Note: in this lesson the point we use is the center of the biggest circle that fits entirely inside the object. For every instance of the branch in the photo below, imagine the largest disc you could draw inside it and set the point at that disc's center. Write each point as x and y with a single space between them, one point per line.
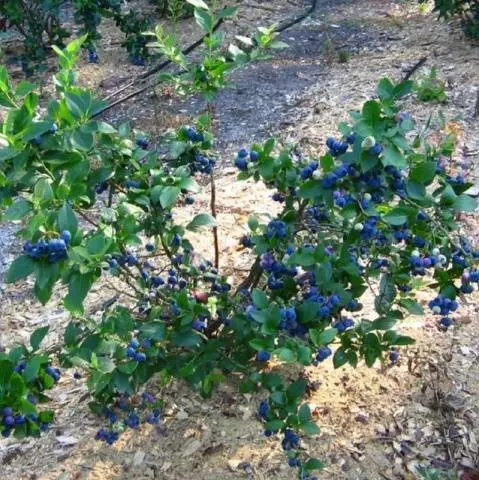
413 69
213 214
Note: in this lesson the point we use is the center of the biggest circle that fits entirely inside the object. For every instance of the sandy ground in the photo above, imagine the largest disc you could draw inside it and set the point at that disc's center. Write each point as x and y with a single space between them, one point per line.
375 423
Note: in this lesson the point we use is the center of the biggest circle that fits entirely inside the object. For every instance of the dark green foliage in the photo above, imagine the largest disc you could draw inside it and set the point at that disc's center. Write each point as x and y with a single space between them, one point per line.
466 10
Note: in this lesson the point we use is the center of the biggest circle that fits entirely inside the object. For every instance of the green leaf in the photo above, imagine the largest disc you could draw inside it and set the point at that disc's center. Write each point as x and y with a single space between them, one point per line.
296 389
227 12
168 196
67 219
72 333
36 129
274 426
304 414
411 306
395 217
154 330
31 370
387 294
314 464
310 428
78 288
393 156
340 358
383 323
18 210
260 299
324 337
423 173
371 112
402 89
416 191
17 386
201 220
189 184
465 203
43 192
20 268
385 89
37 336
204 20
285 355
198 4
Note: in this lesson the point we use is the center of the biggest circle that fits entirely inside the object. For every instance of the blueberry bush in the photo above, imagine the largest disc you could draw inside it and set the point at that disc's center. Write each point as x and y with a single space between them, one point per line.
466 10
38 22
376 213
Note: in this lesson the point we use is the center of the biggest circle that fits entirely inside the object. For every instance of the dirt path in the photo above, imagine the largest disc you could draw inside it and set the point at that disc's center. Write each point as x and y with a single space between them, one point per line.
376 423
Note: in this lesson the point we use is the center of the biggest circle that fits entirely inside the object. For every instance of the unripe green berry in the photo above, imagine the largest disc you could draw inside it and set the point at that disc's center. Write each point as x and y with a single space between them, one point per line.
368 143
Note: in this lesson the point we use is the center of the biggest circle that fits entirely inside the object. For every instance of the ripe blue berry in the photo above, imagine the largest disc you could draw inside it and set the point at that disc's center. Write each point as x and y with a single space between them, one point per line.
93 56
241 163
323 353
263 356
394 356
142 143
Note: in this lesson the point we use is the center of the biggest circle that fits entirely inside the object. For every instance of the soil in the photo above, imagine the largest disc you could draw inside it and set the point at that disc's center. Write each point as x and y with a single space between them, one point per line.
377 423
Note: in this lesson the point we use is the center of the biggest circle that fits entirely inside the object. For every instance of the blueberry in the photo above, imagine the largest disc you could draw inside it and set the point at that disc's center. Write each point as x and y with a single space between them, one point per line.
394 356
140 357
9 421
77 375
53 129
253 155
263 356
376 149
323 353
189 200
241 163
19 419
66 236
93 56
134 344
142 143
149 247
243 153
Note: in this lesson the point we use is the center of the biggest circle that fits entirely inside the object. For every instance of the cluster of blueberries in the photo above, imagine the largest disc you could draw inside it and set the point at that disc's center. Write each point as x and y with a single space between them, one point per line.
466 280
276 270
289 442
132 349
131 419
277 228
194 136
10 421
244 157
202 164
337 147
54 250
55 373
444 306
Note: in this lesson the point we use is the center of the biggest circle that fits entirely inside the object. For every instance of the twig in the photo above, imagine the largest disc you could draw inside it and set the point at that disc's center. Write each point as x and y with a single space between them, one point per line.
213 214
413 69
253 276
476 110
